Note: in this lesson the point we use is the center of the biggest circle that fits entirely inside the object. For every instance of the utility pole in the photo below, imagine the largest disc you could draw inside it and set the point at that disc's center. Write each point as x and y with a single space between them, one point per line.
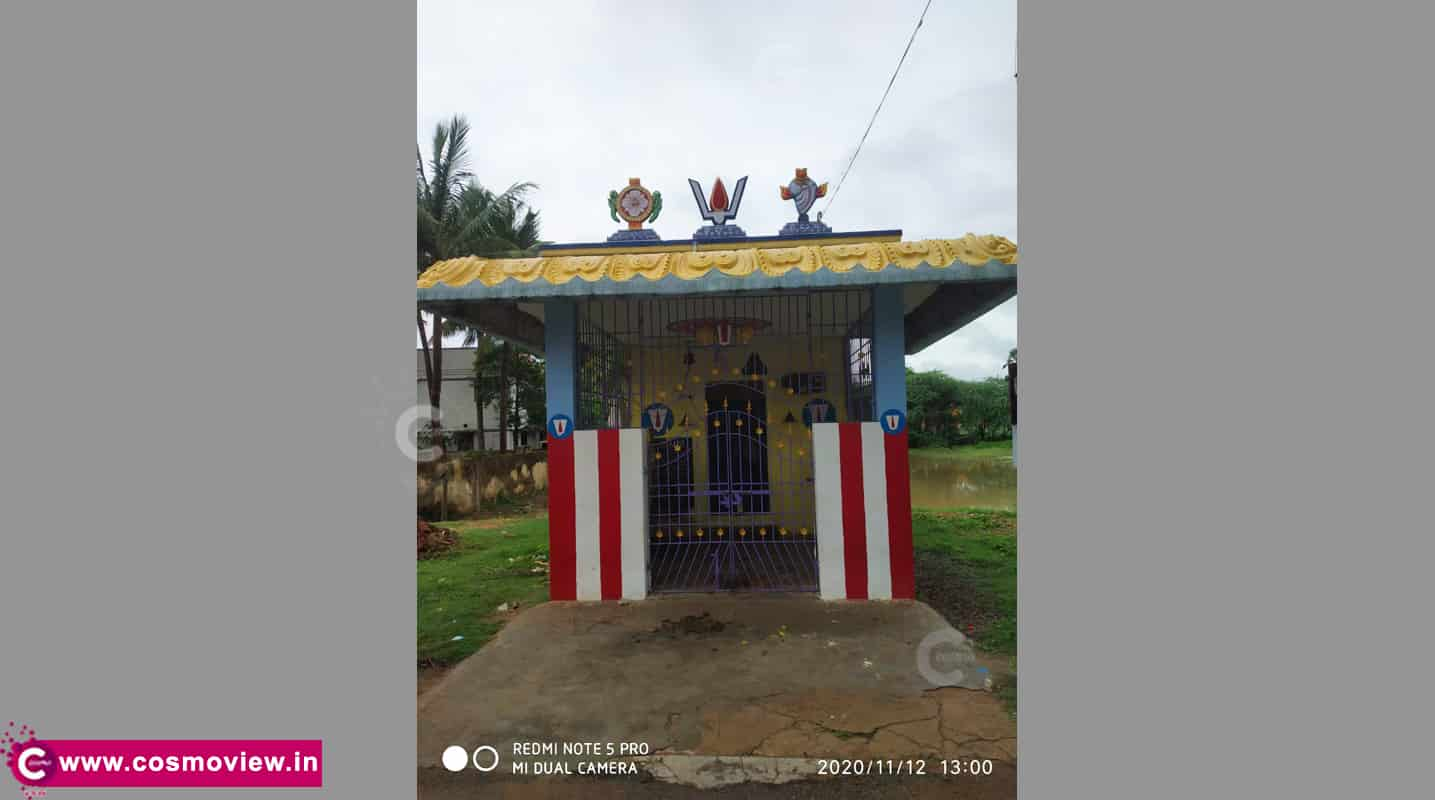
1011 400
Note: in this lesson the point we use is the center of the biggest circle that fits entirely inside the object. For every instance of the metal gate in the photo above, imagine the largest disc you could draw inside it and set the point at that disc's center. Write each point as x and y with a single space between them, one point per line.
727 387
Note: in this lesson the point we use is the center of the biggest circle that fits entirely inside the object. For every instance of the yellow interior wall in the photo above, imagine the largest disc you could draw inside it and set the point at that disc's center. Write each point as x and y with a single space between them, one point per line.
665 379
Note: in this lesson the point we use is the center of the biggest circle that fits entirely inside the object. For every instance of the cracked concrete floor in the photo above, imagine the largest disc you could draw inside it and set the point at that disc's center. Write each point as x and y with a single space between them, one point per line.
778 676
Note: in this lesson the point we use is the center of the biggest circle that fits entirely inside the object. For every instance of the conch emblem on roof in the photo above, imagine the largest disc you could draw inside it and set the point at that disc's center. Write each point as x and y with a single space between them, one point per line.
803 191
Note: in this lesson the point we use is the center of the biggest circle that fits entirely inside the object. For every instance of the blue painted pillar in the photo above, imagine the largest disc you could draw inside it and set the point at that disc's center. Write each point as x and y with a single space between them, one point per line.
889 361
560 345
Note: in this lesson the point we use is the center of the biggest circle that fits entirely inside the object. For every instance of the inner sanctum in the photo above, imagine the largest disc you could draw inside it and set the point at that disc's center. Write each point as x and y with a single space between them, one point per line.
728 388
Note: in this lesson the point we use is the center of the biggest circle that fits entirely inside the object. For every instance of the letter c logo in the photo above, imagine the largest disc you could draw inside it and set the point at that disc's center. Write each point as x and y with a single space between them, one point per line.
22 763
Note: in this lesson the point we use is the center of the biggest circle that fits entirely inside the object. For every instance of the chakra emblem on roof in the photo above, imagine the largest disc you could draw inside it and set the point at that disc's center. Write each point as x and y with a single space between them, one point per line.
718 209
635 205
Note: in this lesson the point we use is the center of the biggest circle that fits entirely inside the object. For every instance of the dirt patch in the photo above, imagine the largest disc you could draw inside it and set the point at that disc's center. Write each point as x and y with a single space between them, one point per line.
499 518
948 586
691 625
433 540
430 675
993 522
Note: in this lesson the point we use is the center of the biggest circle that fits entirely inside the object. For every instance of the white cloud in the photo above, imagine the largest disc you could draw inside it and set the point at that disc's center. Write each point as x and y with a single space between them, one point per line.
577 97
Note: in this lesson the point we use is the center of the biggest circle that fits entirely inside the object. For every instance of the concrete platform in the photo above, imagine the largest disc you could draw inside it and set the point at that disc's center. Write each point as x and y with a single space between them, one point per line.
720 689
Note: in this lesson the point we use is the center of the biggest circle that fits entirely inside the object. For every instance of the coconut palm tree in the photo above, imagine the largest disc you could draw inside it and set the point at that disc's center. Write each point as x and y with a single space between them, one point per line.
457 216
508 228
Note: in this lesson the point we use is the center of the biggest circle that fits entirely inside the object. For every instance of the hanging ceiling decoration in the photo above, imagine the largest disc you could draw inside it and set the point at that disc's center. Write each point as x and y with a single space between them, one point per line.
719 332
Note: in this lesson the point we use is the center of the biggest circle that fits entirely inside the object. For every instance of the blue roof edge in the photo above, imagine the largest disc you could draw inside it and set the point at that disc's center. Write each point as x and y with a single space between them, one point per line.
717 282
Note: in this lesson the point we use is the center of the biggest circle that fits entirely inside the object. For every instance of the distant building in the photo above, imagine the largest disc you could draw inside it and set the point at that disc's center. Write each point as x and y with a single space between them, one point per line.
460 407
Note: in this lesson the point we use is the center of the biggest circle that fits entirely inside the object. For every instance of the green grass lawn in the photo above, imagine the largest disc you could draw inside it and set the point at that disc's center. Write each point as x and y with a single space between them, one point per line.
965 569
966 451
460 590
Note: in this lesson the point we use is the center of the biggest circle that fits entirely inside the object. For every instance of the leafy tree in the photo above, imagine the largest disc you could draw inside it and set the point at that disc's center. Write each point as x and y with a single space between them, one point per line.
986 413
931 397
512 379
529 398
943 411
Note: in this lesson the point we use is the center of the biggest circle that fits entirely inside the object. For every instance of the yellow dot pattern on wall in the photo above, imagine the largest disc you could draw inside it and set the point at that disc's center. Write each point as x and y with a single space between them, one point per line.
679 534
781 531
762 531
721 532
698 533
658 534
802 531
742 533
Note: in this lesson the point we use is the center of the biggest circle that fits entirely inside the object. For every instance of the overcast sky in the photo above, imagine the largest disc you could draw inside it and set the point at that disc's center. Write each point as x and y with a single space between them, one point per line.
578 97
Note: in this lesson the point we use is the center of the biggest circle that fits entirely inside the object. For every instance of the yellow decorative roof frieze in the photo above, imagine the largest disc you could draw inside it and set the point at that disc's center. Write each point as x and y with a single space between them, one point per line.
972 250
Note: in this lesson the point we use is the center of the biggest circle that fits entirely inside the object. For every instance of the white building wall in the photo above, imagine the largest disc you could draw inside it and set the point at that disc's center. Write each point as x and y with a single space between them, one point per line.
460 412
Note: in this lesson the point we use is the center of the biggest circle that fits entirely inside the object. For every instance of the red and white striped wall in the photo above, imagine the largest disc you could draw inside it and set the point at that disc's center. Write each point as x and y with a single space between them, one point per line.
597 513
864 511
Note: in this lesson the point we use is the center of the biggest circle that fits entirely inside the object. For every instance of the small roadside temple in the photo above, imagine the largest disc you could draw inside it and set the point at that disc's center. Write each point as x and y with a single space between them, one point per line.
727 412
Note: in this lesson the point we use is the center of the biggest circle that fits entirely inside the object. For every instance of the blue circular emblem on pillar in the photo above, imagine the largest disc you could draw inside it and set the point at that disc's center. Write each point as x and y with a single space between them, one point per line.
893 421
818 410
658 418
560 426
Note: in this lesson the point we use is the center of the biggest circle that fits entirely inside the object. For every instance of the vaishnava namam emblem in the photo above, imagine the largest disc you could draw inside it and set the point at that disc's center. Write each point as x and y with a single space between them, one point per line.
718 210
635 205
803 191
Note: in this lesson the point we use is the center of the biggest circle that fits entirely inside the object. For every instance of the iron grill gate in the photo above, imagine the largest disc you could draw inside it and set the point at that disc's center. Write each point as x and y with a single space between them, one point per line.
726 386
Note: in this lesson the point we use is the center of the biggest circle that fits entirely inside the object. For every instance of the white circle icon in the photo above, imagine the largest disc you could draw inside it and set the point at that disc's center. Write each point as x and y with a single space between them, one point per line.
454 758
925 651
490 767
